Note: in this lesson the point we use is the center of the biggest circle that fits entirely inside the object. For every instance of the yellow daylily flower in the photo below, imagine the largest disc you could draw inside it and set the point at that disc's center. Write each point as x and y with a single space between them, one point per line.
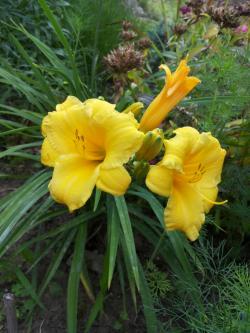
87 144
177 86
188 174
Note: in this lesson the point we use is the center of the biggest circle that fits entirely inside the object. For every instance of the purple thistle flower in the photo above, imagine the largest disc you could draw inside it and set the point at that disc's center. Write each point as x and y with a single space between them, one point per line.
185 9
242 29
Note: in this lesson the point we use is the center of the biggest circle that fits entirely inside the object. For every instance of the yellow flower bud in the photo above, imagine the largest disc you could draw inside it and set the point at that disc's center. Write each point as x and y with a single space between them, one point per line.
177 86
135 108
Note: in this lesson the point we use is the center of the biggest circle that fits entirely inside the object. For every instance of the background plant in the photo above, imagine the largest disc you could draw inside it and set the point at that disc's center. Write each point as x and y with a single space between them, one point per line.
225 292
40 241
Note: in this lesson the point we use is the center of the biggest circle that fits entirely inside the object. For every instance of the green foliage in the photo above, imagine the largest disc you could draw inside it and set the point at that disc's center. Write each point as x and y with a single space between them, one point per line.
161 9
219 104
225 295
54 49
158 281
54 59
97 24
52 72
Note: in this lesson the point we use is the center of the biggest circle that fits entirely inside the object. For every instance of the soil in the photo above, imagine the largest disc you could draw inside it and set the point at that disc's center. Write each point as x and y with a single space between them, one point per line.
53 319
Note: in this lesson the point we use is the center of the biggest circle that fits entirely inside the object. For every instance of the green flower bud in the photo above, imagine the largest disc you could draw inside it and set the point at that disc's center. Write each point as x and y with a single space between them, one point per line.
141 169
152 145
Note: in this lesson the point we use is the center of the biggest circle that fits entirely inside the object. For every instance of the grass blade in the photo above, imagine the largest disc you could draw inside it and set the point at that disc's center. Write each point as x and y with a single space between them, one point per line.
28 286
125 222
113 237
148 304
98 305
74 278
76 79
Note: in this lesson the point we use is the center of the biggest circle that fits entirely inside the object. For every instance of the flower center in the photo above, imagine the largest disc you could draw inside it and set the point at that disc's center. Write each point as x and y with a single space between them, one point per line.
88 147
193 173
197 174
79 141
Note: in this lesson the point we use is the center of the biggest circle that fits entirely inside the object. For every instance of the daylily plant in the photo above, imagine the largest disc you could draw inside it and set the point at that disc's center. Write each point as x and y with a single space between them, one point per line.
87 144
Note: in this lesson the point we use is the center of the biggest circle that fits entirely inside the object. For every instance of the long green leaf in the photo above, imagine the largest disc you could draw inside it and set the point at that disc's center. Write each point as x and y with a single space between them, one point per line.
28 286
56 261
76 78
66 227
13 149
74 279
113 237
128 235
98 305
53 267
130 275
41 82
148 304
33 95
34 117
18 205
174 237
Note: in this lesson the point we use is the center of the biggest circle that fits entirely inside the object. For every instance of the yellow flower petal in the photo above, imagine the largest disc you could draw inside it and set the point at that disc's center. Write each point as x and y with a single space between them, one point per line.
71 101
160 180
184 211
122 138
114 181
210 194
195 162
85 137
178 147
210 155
134 108
48 154
112 134
119 151
98 104
73 180
65 130
168 79
43 129
177 86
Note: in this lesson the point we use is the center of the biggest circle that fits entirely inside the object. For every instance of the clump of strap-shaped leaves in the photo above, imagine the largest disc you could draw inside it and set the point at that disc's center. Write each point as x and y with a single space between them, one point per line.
30 210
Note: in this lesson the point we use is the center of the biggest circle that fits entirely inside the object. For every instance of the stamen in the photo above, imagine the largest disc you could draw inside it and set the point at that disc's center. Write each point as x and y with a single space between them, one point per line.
77 135
212 202
194 177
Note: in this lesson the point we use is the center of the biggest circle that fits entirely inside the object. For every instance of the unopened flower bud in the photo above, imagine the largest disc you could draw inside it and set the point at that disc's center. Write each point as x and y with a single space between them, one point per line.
135 108
141 169
151 146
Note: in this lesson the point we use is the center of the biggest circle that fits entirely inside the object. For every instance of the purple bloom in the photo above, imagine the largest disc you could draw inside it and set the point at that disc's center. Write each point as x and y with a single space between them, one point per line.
242 29
185 9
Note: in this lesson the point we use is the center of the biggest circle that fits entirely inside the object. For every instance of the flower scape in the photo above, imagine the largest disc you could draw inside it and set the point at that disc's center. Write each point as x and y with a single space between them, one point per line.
89 143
